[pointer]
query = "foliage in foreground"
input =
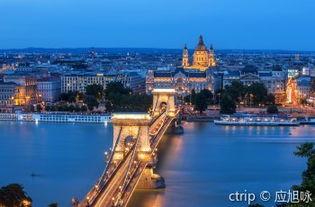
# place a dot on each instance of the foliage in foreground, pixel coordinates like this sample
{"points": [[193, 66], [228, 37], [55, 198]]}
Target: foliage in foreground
{"points": [[13, 195], [306, 150]]}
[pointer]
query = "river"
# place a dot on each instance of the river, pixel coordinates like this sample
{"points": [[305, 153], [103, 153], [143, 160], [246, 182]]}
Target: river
{"points": [[55, 162]]}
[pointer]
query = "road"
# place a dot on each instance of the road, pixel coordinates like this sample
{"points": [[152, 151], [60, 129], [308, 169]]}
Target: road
{"points": [[110, 191]]}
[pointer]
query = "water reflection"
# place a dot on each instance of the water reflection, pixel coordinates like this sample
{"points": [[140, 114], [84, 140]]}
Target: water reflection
{"points": [[200, 167], [208, 162]]}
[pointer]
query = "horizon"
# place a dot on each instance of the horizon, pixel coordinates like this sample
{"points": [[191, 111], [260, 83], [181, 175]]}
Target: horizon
{"points": [[259, 25], [151, 48]]}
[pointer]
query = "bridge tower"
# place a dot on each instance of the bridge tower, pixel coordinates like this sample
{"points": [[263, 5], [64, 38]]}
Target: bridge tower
{"points": [[163, 99], [130, 128]]}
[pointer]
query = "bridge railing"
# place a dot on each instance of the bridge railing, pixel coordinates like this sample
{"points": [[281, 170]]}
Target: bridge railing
{"points": [[157, 123], [132, 163], [105, 177]]}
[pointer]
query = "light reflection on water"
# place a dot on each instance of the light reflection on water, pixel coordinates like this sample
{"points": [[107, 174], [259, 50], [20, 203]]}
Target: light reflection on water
{"points": [[200, 167], [213, 161]]}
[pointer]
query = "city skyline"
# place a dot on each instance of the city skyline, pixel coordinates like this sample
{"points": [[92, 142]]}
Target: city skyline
{"points": [[281, 25]]}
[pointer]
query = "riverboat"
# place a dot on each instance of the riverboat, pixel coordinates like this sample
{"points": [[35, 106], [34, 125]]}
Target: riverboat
{"points": [[56, 117], [257, 121]]}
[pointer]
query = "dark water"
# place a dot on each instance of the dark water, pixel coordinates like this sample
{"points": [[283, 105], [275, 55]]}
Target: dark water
{"points": [[201, 168]]}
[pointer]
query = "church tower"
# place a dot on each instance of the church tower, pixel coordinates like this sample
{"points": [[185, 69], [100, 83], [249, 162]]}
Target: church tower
{"points": [[212, 62], [185, 60], [201, 55], [203, 58]]}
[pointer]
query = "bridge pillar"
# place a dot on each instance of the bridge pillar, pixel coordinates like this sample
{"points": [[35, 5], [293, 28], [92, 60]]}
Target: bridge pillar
{"points": [[128, 127], [164, 97], [150, 180]]}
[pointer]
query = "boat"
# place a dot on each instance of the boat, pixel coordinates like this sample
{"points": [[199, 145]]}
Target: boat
{"points": [[308, 120], [257, 121], [63, 117]]}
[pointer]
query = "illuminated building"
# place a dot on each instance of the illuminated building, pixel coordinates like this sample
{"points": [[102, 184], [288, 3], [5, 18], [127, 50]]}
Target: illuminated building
{"points": [[11, 95], [188, 77], [291, 92], [202, 57], [77, 81], [182, 80], [26, 84], [274, 79], [303, 86], [48, 89]]}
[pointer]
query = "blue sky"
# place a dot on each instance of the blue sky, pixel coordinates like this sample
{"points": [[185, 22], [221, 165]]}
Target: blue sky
{"points": [[227, 24]]}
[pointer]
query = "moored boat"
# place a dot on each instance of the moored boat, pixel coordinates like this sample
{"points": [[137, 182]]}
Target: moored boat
{"points": [[308, 120], [257, 121]]}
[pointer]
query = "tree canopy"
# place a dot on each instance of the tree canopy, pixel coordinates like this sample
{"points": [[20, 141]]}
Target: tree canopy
{"points": [[227, 105], [252, 95], [200, 100], [13, 195], [119, 98], [307, 150], [95, 90]]}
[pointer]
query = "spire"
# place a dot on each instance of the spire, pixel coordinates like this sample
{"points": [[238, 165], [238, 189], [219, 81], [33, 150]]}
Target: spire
{"points": [[201, 41], [201, 45], [185, 60], [211, 47]]}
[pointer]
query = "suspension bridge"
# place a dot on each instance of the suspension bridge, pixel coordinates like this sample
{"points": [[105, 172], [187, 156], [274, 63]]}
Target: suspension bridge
{"points": [[133, 154]]}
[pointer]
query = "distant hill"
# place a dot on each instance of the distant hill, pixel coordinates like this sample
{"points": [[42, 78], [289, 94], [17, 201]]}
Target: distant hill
{"points": [[142, 50]]}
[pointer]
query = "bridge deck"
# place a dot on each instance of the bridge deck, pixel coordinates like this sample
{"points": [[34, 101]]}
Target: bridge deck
{"points": [[121, 185]]}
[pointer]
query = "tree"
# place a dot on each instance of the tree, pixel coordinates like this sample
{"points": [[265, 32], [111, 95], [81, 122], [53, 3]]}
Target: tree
{"points": [[201, 102], [71, 108], [308, 177], [273, 109], [313, 85], [72, 97], [13, 195], [227, 105], [191, 98], [207, 95], [39, 107], [257, 93], [270, 99], [91, 102], [115, 88], [32, 108], [95, 90], [119, 98], [83, 108], [236, 91]]}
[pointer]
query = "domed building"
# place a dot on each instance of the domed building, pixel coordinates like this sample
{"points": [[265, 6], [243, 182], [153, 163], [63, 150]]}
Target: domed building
{"points": [[202, 57]]}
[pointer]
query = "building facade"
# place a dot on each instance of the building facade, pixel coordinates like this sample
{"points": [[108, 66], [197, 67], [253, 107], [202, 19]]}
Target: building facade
{"points": [[78, 81], [49, 89], [274, 80], [202, 57], [304, 88], [27, 84], [184, 81], [11, 95]]}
